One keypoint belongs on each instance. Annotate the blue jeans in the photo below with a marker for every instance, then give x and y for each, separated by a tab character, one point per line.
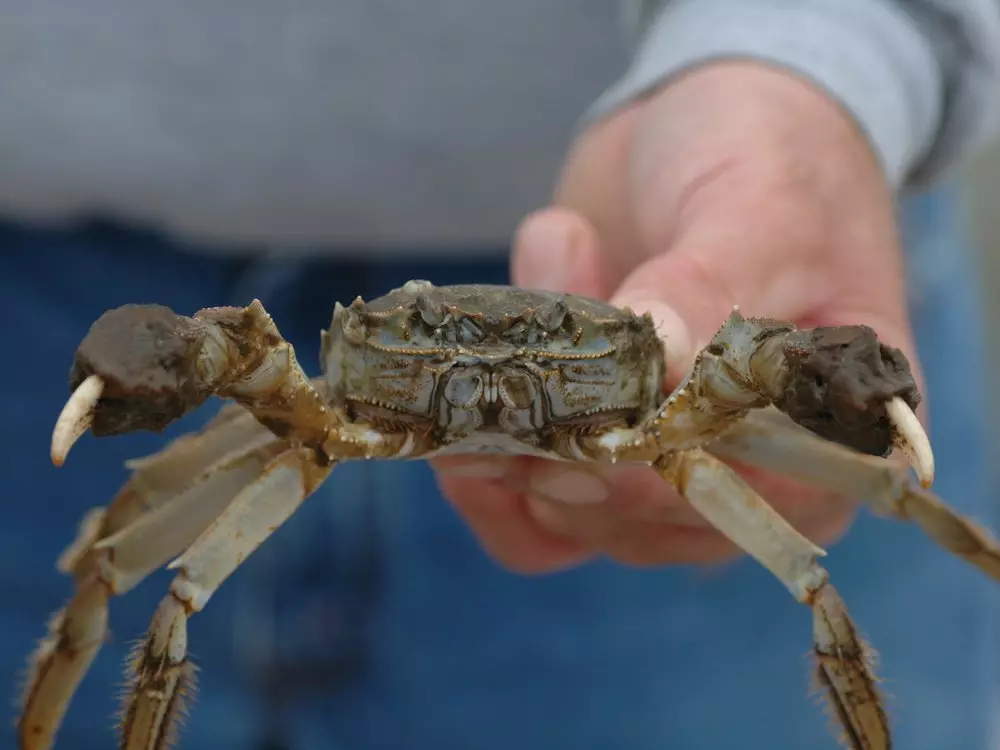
373	621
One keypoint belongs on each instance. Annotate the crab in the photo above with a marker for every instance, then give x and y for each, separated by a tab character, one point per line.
426	371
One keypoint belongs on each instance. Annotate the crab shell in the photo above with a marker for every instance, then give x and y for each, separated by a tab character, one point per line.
491	368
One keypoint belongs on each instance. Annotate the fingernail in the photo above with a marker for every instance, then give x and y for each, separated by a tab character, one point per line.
548	245
474	469
571	487
545	515
670	327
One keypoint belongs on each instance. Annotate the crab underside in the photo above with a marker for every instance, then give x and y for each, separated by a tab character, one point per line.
429	370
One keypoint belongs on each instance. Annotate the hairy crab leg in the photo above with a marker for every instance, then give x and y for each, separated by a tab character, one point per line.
158	478
163	674
850	401
844	661
839	382
141	367
113	564
770	441
59	663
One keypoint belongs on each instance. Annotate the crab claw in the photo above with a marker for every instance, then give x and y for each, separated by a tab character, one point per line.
76	417
910	437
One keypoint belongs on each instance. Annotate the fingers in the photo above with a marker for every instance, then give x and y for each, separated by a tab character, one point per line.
558	250
633	541
554	249
536	516
645	521
657	541
500	518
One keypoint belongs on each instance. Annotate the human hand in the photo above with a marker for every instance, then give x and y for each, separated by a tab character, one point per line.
734	184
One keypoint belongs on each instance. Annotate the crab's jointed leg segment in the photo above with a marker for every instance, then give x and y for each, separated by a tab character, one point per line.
141	367
131	554
845	670
840	382
200	473
60	662
161	477
770	441
844	662
162	671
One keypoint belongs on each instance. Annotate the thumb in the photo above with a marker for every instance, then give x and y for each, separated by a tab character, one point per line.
557	250
713	264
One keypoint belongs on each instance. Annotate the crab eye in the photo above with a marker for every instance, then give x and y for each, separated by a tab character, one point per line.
352	323
519	334
551	316
431	312
469	332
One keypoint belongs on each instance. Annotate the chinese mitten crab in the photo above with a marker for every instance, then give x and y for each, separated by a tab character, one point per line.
427	370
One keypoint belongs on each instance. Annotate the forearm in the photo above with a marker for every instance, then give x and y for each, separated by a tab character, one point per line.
921	82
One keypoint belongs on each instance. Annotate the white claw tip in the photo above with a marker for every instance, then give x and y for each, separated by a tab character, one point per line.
75	418
910	437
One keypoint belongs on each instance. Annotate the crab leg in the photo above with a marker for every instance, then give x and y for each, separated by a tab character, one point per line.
844	662
129	555
162	476
154	517
769	441
141	367
163	675
839	382
59	664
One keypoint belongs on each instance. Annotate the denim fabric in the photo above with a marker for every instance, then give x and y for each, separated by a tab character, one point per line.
373	621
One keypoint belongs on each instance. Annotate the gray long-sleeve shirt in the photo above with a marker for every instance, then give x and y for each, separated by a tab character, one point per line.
399	125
